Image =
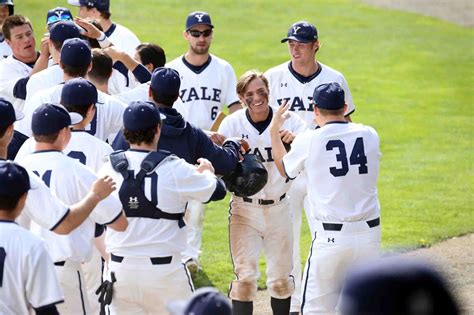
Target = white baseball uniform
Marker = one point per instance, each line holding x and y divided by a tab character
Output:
261	221
5	49
203	95
143	284
107	121
341	161
12	70
286	84
44	79
123	38
117	83
27	277
70	181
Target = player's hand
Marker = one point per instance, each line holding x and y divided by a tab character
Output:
286	136
204	165
114	53
215	137
279	117
103	187
90	30
44	47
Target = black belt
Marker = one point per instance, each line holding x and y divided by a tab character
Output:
264	201
338	226
60	263
154	260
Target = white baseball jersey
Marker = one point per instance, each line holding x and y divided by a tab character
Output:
239	125
51	76
70	181
87	149
107	121
27	276
5	49
139	93
173	183
342	163
286	84
123	38
12	70
204	94
117	83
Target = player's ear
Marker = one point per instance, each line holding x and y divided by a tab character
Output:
242	101
185	35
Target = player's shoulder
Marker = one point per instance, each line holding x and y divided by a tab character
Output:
125	31
176	62
277	70
219	61
364	128
109	100
329	71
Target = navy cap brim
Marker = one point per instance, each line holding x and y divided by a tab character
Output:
208	24
284	40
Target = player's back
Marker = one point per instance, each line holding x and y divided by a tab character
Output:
27	278
44	79
343	167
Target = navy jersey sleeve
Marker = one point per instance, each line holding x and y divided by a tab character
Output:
142	74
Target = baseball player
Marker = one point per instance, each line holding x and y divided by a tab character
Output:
6	9
53	75
69	180
207	85
294	82
76	61
25	266
56	15
341	161
154	189
260	221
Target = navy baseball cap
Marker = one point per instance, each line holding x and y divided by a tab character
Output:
396	285
198	18
76	52
14	178
101	5
63	30
8	113
329	96
78	92
165	81
303	32
204	301
141	115
50	118
58	14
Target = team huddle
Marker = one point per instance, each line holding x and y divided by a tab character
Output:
108	156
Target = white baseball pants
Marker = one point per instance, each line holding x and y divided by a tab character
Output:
74	288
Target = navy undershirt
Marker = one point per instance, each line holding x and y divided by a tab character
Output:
197	69
261	125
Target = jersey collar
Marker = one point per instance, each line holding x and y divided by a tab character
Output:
261	125
336	122
302	78
8	221
110	30
45	151
197	69
139	150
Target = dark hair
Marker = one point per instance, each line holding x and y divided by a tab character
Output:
14	21
101	66
3	130
142	136
46	138
163	99
80	109
56	44
104	14
9	202
151	53
76	72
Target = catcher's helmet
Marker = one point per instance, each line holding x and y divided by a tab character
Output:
248	178
10	5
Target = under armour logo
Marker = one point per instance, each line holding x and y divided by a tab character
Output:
296	29
330	240
133	203
199	17
245	136
283	84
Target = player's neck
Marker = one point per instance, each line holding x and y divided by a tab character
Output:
258	117
330	118
3	152
106	24
305	69
143	147
55	56
7	215
101	87
195	59
43	146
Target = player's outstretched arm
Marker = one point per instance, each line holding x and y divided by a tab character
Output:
278	149
100	190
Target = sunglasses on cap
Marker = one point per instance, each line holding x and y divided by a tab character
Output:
195	33
54	18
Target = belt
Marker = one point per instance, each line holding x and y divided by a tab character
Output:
60	263
264	201
338	226
154	260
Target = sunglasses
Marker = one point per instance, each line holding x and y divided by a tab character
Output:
55	18
195	33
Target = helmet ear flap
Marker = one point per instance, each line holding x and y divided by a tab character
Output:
248	178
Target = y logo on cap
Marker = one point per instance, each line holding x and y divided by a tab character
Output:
199	17
296	29
59	13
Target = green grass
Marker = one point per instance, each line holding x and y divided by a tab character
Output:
411	78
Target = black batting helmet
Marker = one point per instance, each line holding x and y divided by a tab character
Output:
10	5
248	178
